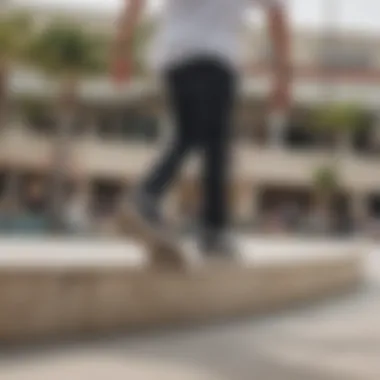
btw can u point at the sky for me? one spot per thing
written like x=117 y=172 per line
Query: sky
x=357 y=14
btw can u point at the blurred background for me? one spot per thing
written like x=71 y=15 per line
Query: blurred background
x=73 y=140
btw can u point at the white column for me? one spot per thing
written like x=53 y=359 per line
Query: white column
x=359 y=208
x=255 y=194
x=244 y=203
x=345 y=142
x=276 y=124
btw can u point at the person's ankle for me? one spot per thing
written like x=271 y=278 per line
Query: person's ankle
x=216 y=242
x=147 y=203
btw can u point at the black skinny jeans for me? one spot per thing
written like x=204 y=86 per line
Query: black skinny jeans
x=201 y=94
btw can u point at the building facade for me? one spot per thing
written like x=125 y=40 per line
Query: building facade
x=118 y=131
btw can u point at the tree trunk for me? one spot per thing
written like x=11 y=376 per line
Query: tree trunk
x=61 y=156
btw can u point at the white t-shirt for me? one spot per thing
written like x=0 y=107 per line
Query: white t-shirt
x=201 y=27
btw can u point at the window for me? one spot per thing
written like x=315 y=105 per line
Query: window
x=128 y=125
x=107 y=126
x=39 y=117
x=106 y=196
x=139 y=126
x=339 y=55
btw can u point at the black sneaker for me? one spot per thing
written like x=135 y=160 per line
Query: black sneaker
x=142 y=218
x=141 y=211
x=218 y=246
x=147 y=206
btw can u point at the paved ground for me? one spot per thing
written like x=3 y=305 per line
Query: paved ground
x=339 y=339
x=334 y=340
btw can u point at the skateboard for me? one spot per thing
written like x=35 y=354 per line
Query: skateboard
x=163 y=246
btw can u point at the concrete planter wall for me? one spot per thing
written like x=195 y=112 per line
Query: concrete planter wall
x=58 y=301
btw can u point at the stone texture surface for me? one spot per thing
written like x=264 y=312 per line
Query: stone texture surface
x=93 y=366
x=66 y=299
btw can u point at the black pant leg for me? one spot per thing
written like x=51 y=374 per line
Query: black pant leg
x=218 y=104
x=182 y=94
x=201 y=96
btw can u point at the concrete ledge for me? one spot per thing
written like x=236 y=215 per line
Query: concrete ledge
x=102 y=366
x=42 y=298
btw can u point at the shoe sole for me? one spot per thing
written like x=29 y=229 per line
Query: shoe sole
x=163 y=248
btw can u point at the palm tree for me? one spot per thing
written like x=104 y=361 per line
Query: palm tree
x=326 y=182
x=15 y=30
x=340 y=121
x=67 y=53
x=326 y=185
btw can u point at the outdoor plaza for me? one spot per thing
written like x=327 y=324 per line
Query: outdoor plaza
x=81 y=299
x=291 y=309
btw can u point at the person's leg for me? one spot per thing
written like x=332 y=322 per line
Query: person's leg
x=142 y=216
x=218 y=103
x=181 y=94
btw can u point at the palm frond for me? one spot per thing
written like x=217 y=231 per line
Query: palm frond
x=63 y=48
x=326 y=180
x=339 y=118
x=15 y=31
